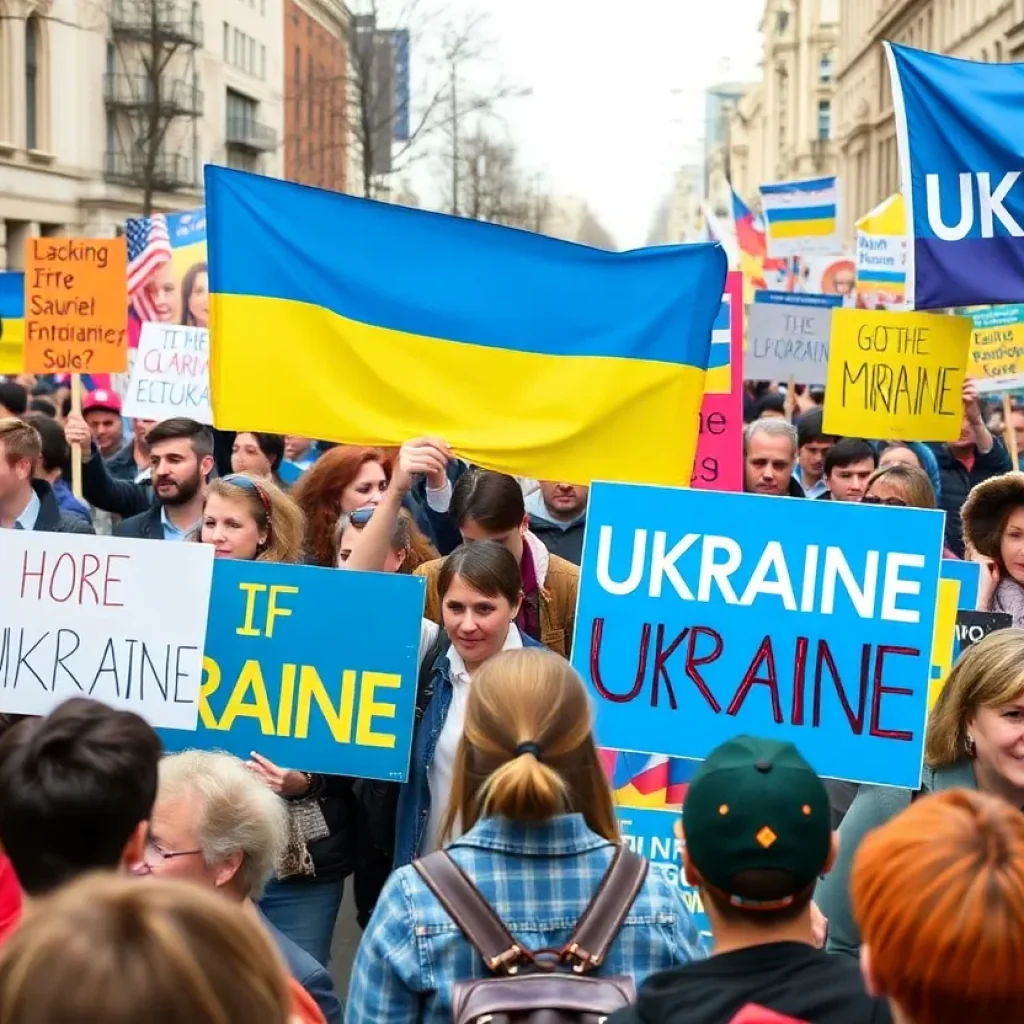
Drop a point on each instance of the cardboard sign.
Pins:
(121, 621)
(705, 615)
(974, 626)
(718, 464)
(339, 701)
(896, 376)
(170, 374)
(787, 338)
(76, 300)
(996, 359)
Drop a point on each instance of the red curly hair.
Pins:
(938, 893)
(319, 490)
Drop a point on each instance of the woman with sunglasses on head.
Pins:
(900, 485)
(409, 546)
(251, 519)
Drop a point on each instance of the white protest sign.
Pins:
(789, 337)
(171, 374)
(121, 621)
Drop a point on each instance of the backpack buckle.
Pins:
(583, 960)
(506, 961)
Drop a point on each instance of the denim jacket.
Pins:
(539, 878)
(414, 799)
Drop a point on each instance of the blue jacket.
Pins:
(414, 798)
(308, 972)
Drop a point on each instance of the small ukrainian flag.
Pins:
(12, 322)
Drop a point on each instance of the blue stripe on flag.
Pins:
(788, 213)
(722, 320)
(786, 187)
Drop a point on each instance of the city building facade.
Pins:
(985, 30)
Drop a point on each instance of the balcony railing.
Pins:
(245, 133)
(169, 20)
(170, 171)
(135, 92)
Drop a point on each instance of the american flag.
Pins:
(149, 248)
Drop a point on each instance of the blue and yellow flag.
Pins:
(12, 322)
(356, 321)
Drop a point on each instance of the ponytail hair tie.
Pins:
(529, 747)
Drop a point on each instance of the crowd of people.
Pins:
(200, 887)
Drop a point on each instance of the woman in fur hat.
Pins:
(993, 518)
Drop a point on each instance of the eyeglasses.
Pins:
(873, 499)
(152, 855)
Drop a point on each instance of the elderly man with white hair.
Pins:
(217, 824)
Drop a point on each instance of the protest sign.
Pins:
(279, 681)
(896, 376)
(788, 337)
(658, 836)
(12, 322)
(117, 620)
(944, 651)
(718, 464)
(171, 374)
(973, 626)
(796, 620)
(996, 359)
(968, 575)
(75, 298)
(801, 217)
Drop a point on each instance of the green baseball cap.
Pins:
(757, 805)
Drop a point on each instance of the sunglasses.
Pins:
(360, 517)
(873, 499)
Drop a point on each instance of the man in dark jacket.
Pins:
(26, 503)
(964, 463)
(558, 514)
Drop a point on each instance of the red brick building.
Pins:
(315, 95)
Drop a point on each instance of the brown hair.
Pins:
(529, 696)
(119, 951)
(319, 491)
(486, 566)
(20, 441)
(938, 893)
(493, 500)
(913, 482)
(406, 537)
(989, 673)
(273, 510)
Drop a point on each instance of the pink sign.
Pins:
(718, 465)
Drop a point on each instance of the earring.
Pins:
(972, 747)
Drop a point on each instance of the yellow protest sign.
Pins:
(896, 376)
(942, 640)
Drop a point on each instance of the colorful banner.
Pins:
(74, 305)
(788, 336)
(882, 256)
(765, 624)
(658, 836)
(12, 322)
(896, 376)
(959, 125)
(278, 680)
(801, 217)
(170, 374)
(120, 621)
(718, 464)
(996, 355)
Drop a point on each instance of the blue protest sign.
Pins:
(796, 620)
(959, 125)
(313, 668)
(658, 836)
(968, 575)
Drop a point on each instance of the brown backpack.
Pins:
(547, 986)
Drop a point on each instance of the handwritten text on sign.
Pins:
(997, 348)
(76, 304)
(896, 375)
(765, 625)
(121, 621)
(787, 340)
(316, 700)
(171, 374)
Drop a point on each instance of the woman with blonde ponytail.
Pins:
(536, 829)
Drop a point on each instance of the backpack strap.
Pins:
(597, 927)
(466, 906)
(425, 678)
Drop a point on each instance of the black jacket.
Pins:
(144, 526)
(52, 518)
(790, 978)
(111, 494)
(566, 542)
(122, 465)
(957, 483)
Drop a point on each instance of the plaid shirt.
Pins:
(539, 878)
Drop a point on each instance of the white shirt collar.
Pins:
(457, 667)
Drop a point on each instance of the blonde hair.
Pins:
(529, 696)
(20, 440)
(235, 813)
(989, 673)
(273, 510)
(120, 950)
(938, 894)
(913, 482)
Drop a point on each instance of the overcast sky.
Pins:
(617, 91)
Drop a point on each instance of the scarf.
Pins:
(1009, 598)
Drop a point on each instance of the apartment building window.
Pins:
(310, 76)
(32, 83)
(781, 22)
(252, 56)
(227, 41)
(241, 112)
(825, 68)
(824, 119)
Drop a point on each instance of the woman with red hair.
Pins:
(938, 893)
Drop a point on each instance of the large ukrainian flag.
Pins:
(12, 322)
(356, 321)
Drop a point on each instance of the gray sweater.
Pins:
(872, 806)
